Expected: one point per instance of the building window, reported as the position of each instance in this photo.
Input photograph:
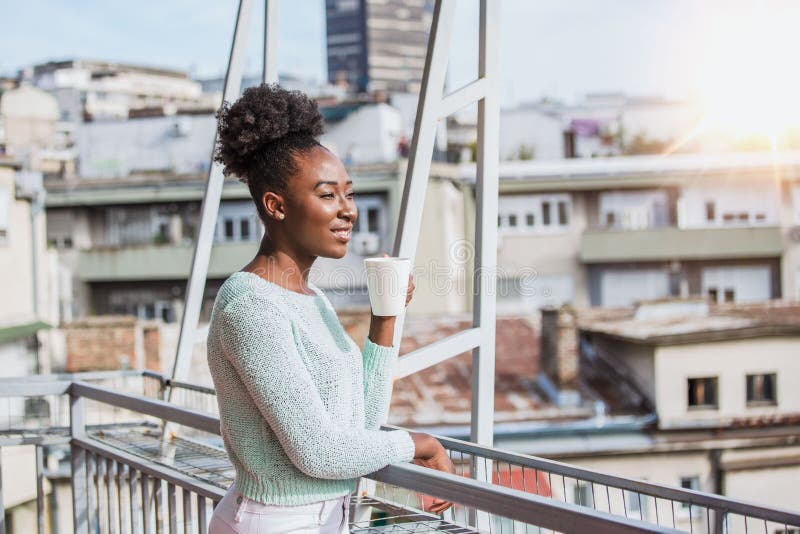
(562, 213)
(5, 213)
(761, 389)
(582, 493)
(244, 229)
(228, 229)
(373, 221)
(729, 295)
(690, 483)
(711, 214)
(546, 213)
(534, 214)
(713, 294)
(635, 504)
(703, 392)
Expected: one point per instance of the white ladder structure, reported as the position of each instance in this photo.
(433, 106)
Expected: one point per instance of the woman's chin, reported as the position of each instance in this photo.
(337, 253)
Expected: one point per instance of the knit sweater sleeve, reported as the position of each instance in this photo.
(259, 341)
(379, 364)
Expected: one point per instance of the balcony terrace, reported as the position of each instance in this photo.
(126, 477)
(673, 243)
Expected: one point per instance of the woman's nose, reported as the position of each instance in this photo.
(348, 210)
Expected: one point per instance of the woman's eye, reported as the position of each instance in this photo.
(329, 195)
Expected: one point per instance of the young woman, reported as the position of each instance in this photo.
(299, 403)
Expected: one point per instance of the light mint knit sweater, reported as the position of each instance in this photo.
(299, 404)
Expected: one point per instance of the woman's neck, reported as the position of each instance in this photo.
(281, 267)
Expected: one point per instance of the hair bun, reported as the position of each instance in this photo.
(263, 115)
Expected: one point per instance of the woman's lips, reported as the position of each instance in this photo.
(342, 235)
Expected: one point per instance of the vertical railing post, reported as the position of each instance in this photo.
(39, 490)
(2, 507)
(77, 427)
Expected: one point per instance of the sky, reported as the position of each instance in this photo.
(561, 49)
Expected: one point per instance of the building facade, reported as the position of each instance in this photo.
(377, 45)
(613, 231)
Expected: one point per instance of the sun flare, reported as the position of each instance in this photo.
(750, 85)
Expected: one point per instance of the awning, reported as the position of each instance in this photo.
(21, 331)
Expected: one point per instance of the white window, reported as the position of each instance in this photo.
(635, 504)
(528, 294)
(238, 221)
(369, 230)
(5, 213)
(796, 202)
(729, 205)
(582, 494)
(631, 210)
(736, 284)
(690, 483)
(534, 214)
(623, 287)
(797, 284)
(347, 5)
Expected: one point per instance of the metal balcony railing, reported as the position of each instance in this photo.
(126, 478)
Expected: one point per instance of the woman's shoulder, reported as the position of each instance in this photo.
(244, 289)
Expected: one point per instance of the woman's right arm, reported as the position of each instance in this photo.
(259, 341)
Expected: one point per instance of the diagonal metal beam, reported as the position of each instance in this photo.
(211, 198)
(270, 61)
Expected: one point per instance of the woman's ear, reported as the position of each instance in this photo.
(273, 205)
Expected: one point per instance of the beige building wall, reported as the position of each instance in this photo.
(16, 258)
(19, 487)
(730, 361)
(764, 475)
(772, 484)
(443, 262)
(661, 468)
(549, 255)
(790, 222)
(29, 116)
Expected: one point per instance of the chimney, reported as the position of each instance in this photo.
(559, 346)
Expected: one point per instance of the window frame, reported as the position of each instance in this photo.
(524, 208)
(693, 407)
(754, 403)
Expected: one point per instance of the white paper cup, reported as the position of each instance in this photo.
(387, 282)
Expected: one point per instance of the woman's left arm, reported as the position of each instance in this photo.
(379, 361)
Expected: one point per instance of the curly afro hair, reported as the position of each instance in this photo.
(259, 136)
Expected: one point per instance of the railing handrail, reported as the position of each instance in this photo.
(510, 503)
(518, 505)
(652, 489)
(201, 421)
(153, 407)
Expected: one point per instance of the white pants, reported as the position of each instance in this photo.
(237, 514)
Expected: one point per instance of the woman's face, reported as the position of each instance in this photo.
(320, 209)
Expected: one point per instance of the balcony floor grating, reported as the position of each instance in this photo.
(210, 464)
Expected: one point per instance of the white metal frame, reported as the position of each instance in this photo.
(433, 106)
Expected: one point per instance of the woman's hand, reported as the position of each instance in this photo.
(430, 453)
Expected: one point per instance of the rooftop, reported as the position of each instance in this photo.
(682, 322)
